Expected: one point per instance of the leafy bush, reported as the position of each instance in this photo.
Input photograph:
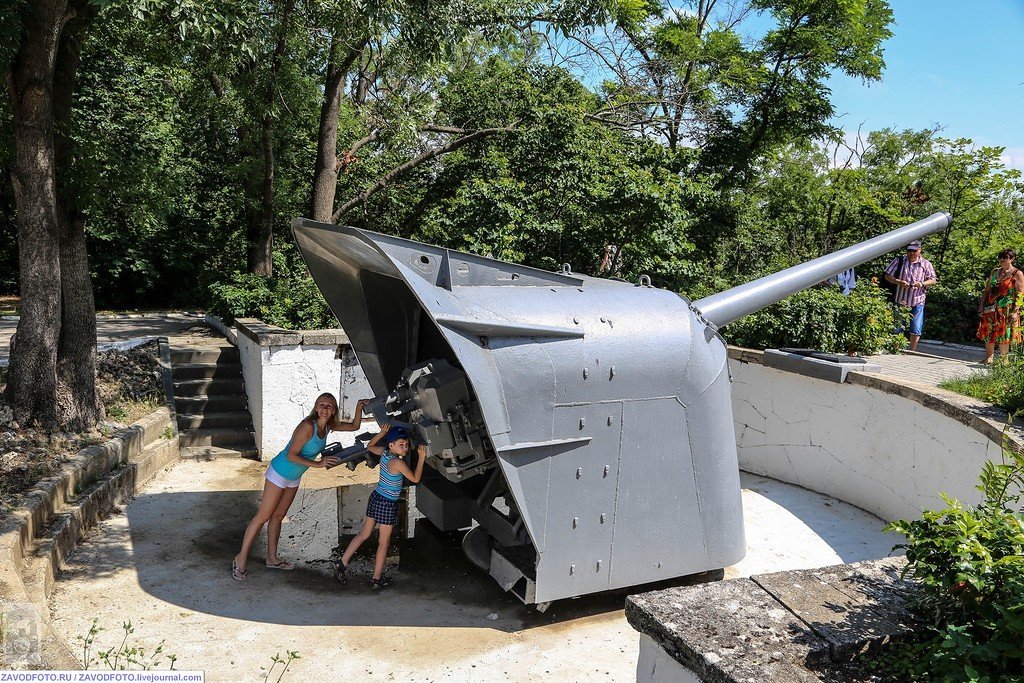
(951, 314)
(823, 319)
(1002, 385)
(291, 301)
(970, 564)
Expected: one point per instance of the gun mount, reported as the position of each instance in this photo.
(584, 424)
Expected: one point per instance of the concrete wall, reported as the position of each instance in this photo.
(285, 371)
(886, 448)
(654, 665)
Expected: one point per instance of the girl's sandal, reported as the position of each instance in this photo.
(341, 572)
(236, 573)
(382, 582)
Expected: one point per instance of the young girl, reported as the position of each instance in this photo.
(383, 506)
(283, 474)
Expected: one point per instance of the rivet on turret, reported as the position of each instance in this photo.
(599, 565)
(579, 472)
(607, 468)
(602, 518)
(586, 373)
(611, 372)
(609, 420)
(572, 569)
(575, 522)
(583, 422)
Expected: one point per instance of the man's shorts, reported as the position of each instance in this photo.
(382, 509)
(916, 320)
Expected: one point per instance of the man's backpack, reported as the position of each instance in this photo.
(889, 286)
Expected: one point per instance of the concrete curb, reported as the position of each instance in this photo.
(982, 417)
(37, 537)
(220, 326)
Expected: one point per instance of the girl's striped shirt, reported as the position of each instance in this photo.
(390, 485)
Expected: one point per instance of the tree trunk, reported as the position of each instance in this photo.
(32, 379)
(78, 404)
(325, 173)
(261, 226)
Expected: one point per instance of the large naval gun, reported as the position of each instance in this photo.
(582, 426)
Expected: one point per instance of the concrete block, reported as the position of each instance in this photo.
(854, 608)
(728, 631)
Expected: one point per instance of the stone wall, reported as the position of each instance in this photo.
(887, 447)
(286, 370)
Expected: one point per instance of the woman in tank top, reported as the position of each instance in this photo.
(382, 509)
(283, 475)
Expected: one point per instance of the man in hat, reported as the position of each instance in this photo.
(912, 274)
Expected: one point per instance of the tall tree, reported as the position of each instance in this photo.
(51, 378)
(392, 60)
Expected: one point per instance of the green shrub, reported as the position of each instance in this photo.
(291, 301)
(951, 314)
(969, 561)
(1001, 385)
(823, 319)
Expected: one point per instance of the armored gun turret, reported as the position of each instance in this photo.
(582, 426)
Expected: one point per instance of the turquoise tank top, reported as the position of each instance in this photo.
(312, 448)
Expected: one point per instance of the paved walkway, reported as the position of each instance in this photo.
(111, 329)
(928, 369)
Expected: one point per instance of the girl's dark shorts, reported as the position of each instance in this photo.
(381, 509)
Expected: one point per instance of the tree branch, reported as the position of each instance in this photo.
(413, 163)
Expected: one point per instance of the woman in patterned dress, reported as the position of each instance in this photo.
(1000, 306)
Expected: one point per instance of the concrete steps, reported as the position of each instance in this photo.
(90, 498)
(210, 401)
(207, 453)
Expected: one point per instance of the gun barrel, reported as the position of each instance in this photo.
(725, 307)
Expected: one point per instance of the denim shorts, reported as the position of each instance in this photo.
(916, 321)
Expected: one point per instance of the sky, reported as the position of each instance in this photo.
(954, 63)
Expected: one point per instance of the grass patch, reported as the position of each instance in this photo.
(1001, 385)
(128, 412)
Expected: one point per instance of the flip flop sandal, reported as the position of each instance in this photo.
(283, 565)
(236, 573)
(340, 573)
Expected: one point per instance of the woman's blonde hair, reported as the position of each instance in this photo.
(312, 414)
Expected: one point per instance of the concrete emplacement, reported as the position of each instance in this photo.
(164, 565)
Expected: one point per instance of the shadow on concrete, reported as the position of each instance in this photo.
(829, 519)
(181, 545)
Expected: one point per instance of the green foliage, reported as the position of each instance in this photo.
(291, 301)
(823, 319)
(124, 657)
(969, 561)
(1001, 385)
(951, 312)
(285, 662)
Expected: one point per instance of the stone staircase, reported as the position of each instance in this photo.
(209, 398)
